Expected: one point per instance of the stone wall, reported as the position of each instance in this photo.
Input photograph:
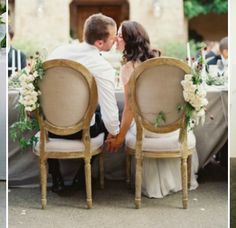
(211, 26)
(50, 27)
(170, 26)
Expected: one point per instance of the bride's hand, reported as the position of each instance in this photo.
(113, 143)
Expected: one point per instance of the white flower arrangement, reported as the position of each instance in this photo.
(195, 95)
(27, 79)
(29, 94)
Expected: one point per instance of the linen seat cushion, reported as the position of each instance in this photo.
(63, 145)
(158, 144)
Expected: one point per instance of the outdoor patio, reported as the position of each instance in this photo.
(2, 204)
(232, 192)
(114, 207)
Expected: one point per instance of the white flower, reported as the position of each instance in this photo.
(30, 108)
(3, 17)
(35, 74)
(201, 113)
(192, 123)
(195, 95)
(188, 77)
(29, 86)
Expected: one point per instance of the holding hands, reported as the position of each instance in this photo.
(113, 143)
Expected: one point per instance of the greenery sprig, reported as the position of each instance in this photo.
(160, 119)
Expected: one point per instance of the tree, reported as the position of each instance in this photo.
(193, 8)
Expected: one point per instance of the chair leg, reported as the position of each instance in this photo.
(189, 170)
(128, 169)
(101, 169)
(138, 182)
(184, 182)
(43, 182)
(87, 168)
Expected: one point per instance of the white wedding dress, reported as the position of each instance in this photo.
(161, 177)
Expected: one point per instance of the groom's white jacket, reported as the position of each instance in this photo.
(104, 75)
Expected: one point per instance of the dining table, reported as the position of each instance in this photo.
(210, 138)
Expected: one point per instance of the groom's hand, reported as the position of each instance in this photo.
(113, 143)
(108, 141)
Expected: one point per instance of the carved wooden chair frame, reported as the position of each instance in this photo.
(184, 153)
(83, 124)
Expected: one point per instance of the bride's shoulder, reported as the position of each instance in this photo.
(128, 66)
(126, 71)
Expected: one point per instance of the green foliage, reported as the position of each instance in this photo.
(38, 66)
(160, 119)
(179, 50)
(29, 47)
(19, 130)
(193, 8)
(3, 43)
(187, 109)
(2, 8)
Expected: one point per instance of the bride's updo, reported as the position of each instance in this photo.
(137, 42)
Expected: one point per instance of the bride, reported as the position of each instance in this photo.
(159, 177)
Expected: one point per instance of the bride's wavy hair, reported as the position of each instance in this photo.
(137, 42)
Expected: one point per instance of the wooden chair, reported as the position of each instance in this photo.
(68, 102)
(155, 87)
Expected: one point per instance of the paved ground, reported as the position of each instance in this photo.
(2, 204)
(232, 193)
(113, 207)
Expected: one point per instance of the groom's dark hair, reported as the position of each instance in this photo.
(96, 28)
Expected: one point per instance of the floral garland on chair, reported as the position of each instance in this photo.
(27, 79)
(195, 96)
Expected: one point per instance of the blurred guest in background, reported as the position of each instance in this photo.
(213, 54)
(224, 53)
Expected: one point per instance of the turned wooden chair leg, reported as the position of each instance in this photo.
(87, 168)
(101, 169)
(43, 182)
(128, 169)
(189, 162)
(138, 183)
(184, 182)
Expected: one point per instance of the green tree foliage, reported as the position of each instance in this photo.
(193, 8)
(2, 8)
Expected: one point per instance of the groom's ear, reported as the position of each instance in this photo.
(99, 44)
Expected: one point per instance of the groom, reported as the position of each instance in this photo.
(99, 35)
